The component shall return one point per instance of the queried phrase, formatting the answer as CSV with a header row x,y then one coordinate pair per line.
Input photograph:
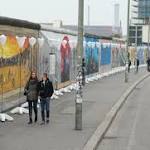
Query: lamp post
x,y
127,43
88,12
148,37
78,113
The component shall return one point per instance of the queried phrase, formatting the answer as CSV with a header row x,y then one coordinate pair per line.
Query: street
x,y
131,128
60,134
74,75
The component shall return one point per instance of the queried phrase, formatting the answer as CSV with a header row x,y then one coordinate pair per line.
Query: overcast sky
x,y
102,11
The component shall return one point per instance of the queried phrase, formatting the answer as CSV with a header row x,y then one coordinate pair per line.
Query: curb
x,y
101,130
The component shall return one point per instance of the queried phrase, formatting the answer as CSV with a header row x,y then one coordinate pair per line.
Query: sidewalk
x,y
99,97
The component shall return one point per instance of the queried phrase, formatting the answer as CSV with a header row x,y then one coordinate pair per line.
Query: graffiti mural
x,y
91,55
132,52
105,53
140,54
14,64
115,54
122,54
65,52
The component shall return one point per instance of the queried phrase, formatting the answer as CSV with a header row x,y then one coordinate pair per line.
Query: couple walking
x,y
44,89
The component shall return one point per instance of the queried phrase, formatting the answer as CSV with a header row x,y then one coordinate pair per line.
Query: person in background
x,y
148,64
31,91
129,65
83,71
137,63
46,91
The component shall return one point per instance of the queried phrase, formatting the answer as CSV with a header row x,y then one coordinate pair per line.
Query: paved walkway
x,y
99,97
131,128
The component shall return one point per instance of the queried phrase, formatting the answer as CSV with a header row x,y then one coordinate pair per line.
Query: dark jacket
x,y
148,61
32,89
46,90
137,62
129,63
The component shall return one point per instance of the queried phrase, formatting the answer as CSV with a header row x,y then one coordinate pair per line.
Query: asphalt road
x,y
99,97
131,128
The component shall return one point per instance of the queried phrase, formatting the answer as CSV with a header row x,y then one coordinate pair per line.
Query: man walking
x,y
129,65
137,63
46,91
148,64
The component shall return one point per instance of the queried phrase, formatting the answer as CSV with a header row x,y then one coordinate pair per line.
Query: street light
x,y
127,43
148,37
78,113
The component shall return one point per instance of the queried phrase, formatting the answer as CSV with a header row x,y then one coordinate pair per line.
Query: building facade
x,y
135,35
139,18
144,10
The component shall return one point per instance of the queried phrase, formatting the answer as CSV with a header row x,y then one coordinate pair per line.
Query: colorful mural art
x,y
140,54
115,54
65,51
91,55
132,52
122,54
64,47
14,64
105,52
145,53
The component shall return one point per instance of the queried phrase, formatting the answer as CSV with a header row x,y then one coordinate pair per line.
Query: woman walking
x,y
31,91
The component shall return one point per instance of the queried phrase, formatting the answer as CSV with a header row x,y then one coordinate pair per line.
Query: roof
x,y
101,31
19,23
71,31
49,28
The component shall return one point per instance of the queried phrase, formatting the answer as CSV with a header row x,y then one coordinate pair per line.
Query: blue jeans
x,y
45,107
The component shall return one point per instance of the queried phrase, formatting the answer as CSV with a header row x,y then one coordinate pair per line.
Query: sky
x,y
102,11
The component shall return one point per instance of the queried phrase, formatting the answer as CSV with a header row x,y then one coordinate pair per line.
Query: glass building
x,y
144,9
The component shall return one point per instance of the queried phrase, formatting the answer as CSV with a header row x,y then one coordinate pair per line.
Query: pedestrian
x,y
46,91
83,72
31,91
137,63
148,64
129,65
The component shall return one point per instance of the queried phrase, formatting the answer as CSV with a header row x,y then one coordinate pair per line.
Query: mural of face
x,y
65,51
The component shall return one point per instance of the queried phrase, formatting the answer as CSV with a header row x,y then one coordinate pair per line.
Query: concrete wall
x,y
16,63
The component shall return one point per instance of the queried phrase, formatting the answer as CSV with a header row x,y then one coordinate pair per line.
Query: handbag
x,y
25,93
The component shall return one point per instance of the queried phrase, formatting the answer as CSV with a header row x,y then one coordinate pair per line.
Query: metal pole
x,y
88,13
148,37
127,43
78,113
136,37
136,43
20,74
2,86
